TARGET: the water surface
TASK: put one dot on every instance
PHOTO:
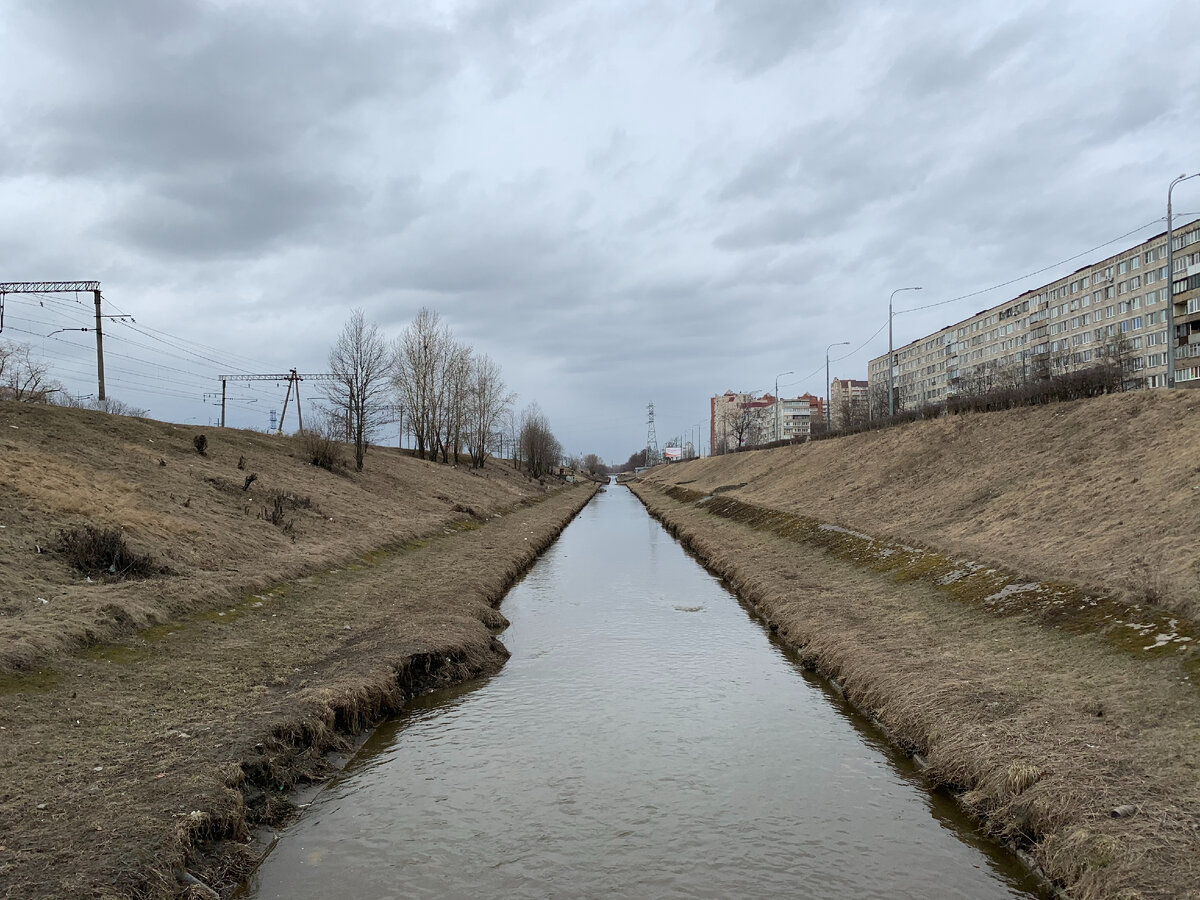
(647, 738)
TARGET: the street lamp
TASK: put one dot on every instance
(777, 404)
(828, 393)
(1171, 287)
(891, 366)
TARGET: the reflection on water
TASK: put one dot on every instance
(647, 738)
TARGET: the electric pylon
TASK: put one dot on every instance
(651, 437)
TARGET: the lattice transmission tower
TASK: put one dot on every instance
(651, 437)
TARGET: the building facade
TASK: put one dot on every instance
(743, 420)
(1112, 311)
(848, 402)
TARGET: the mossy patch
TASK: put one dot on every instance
(29, 682)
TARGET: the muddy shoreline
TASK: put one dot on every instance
(1040, 734)
(144, 768)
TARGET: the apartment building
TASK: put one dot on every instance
(745, 420)
(847, 401)
(1114, 310)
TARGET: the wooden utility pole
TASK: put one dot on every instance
(286, 397)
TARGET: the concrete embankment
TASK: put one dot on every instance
(138, 768)
(1070, 742)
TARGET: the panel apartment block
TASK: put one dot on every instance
(1116, 307)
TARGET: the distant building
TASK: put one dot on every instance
(739, 420)
(1110, 312)
(848, 402)
(743, 420)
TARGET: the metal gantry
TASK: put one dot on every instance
(292, 377)
(63, 287)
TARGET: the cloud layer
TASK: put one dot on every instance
(620, 202)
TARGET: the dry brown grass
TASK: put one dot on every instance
(1102, 493)
(1041, 731)
(130, 764)
(67, 468)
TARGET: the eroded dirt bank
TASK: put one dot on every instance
(1071, 746)
(133, 767)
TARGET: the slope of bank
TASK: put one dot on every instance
(1082, 755)
(1066, 715)
(133, 768)
(249, 512)
(1103, 493)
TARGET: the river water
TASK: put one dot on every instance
(647, 738)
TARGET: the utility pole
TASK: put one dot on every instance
(891, 357)
(99, 348)
(778, 407)
(828, 392)
(1171, 287)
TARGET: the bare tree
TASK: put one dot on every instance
(22, 377)
(360, 366)
(743, 423)
(539, 448)
(454, 378)
(418, 364)
(487, 401)
(877, 401)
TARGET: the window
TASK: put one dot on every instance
(1133, 263)
(1123, 267)
(1124, 326)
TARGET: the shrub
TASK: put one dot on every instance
(103, 552)
(321, 449)
(200, 442)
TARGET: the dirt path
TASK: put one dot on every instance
(123, 766)
(1044, 733)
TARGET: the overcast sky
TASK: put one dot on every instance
(618, 201)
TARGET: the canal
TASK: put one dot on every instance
(648, 738)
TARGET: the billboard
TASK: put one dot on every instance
(673, 452)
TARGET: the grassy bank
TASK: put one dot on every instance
(247, 513)
(142, 748)
(1100, 493)
(1060, 740)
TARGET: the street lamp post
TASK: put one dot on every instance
(777, 404)
(1171, 287)
(891, 361)
(828, 393)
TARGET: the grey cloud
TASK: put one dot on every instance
(244, 212)
(759, 34)
(224, 126)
